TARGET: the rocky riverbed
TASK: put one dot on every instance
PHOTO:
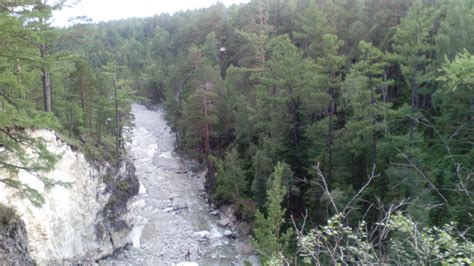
(172, 221)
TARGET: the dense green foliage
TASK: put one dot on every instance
(377, 93)
(369, 90)
(407, 244)
(45, 83)
(270, 239)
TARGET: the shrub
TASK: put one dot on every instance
(408, 244)
(7, 216)
(245, 210)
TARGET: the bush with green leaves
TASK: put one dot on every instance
(408, 243)
(411, 244)
(337, 242)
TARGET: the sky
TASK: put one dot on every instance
(105, 10)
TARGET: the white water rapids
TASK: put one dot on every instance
(170, 214)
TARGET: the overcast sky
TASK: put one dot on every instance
(104, 10)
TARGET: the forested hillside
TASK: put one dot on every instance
(44, 83)
(319, 120)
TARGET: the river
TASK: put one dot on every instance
(170, 214)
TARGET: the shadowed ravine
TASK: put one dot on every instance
(170, 214)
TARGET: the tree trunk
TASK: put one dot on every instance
(99, 134)
(206, 129)
(296, 123)
(176, 135)
(330, 135)
(414, 101)
(332, 112)
(211, 177)
(374, 120)
(82, 90)
(384, 101)
(46, 89)
(46, 80)
(117, 124)
(47, 93)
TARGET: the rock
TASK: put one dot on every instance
(135, 235)
(174, 209)
(244, 229)
(14, 244)
(215, 234)
(139, 204)
(142, 190)
(186, 263)
(181, 172)
(228, 233)
(169, 209)
(202, 234)
(224, 222)
(167, 155)
(85, 220)
(215, 212)
(228, 211)
(119, 234)
(120, 256)
(245, 248)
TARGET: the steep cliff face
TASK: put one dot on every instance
(13, 239)
(79, 222)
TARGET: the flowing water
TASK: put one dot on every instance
(170, 214)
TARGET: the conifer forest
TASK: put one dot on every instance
(341, 131)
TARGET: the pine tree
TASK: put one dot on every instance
(263, 169)
(17, 112)
(256, 33)
(451, 154)
(413, 43)
(82, 90)
(270, 239)
(312, 24)
(210, 49)
(454, 33)
(41, 35)
(231, 185)
(286, 93)
(200, 111)
(365, 92)
(330, 66)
